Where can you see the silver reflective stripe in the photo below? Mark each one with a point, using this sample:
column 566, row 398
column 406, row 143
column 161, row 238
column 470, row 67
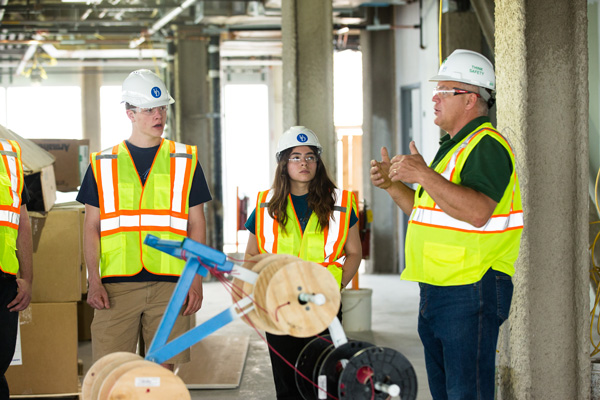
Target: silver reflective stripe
column 268, row 224
column 182, row 155
column 440, row 219
column 10, row 217
column 179, row 223
column 12, row 170
column 452, row 163
column 106, row 172
column 109, row 224
column 334, row 226
column 143, row 221
column 8, row 153
column 156, row 220
column 179, row 178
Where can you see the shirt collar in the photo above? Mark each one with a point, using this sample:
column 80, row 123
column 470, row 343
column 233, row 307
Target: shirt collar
column 466, row 130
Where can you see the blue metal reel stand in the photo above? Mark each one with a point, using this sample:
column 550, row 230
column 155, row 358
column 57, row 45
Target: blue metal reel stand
column 198, row 257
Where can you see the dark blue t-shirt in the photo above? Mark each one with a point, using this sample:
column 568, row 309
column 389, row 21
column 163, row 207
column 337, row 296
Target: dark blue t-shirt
column 142, row 159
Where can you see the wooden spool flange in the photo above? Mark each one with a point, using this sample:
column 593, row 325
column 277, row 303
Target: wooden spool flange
column 287, row 312
column 141, row 379
column 258, row 316
column 100, row 369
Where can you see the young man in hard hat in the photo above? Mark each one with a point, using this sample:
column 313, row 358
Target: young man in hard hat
column 143, row 185
column 15, row 255
column 464, row 231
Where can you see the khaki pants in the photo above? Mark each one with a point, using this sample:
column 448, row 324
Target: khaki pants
column 135, row 307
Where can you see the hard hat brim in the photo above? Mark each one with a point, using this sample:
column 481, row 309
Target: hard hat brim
column 438, row 78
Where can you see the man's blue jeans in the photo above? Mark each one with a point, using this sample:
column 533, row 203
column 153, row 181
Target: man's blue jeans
column 459, row 326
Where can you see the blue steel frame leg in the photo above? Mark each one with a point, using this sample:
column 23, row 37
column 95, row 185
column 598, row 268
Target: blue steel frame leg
column 163, row 353
column 160, row 351
column 174, row 307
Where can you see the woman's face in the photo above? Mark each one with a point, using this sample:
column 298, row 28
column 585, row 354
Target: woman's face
column 302, row 164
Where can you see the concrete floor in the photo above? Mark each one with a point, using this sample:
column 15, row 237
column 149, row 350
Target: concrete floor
column 393, row 323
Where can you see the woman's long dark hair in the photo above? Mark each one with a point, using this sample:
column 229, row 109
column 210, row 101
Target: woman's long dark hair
column 321, row 194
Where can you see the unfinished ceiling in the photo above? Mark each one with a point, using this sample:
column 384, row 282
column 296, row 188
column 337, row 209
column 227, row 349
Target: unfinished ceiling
column 68, row 33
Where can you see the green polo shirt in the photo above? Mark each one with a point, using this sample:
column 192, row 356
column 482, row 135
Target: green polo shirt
column 488, row 168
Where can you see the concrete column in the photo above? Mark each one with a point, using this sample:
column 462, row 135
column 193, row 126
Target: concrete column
column 193, row 118
column 307, row 35
column 380, row 109
column 460, row 30
column 91, row 80
column 542, row 108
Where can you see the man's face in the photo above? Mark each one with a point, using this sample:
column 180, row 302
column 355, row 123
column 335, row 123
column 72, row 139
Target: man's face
column 149, row 121
column 448, row 107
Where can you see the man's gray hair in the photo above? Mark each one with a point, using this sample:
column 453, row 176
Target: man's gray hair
column 482, row 104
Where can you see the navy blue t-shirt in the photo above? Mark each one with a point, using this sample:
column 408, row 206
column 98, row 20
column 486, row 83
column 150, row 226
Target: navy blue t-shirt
column 142, row 159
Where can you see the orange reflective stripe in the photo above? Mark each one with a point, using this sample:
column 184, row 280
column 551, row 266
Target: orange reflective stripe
column 341, row 237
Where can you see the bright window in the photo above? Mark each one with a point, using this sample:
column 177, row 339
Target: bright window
column 2, row 106
column 246, row 154
column 44, row 112
column 114, row 124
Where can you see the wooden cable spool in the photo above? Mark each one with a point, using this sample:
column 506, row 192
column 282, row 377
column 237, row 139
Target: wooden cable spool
column 142, row 379
column 287, row 312
column 258, row 317
column 100, row 369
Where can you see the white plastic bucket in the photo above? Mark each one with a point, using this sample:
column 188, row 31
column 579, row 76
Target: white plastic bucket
column 356, row 310
column 595, row 380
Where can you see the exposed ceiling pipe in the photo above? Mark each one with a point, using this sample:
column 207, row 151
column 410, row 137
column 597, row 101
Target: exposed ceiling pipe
column 2, row 3
column 28, row 54
column 162, row 22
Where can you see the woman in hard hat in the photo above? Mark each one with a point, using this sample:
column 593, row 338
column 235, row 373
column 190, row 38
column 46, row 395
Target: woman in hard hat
column 303, row 205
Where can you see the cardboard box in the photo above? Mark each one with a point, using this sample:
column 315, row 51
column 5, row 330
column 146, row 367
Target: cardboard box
column 85, row 315
column 78, row 206
column 38, row 169
column 56, row 255
column 49, row 350
column 72, row 159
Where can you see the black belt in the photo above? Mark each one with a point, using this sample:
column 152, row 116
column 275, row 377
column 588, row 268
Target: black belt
column 4, row 275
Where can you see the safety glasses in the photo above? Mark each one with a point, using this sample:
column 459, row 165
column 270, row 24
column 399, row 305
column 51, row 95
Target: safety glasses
column 452, row 92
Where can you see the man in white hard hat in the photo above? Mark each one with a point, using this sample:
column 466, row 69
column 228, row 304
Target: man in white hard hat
column 464, row 230
column 143, row 185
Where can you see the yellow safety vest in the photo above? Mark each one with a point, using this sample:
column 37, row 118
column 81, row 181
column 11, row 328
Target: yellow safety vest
column 325, row 247
column 444, row 251
column 11, row 186
column 130, row 211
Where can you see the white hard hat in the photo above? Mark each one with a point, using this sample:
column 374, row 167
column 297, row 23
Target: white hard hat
column 469, row 67
column 143, row 88
column 298, row 136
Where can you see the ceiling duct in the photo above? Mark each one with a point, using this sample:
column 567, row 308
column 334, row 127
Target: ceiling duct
column 162, row 22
